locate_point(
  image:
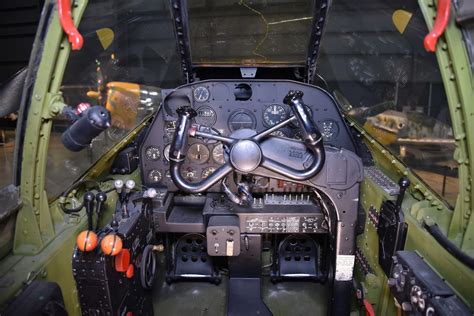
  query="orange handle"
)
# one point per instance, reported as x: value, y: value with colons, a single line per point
x: 442, y: 17
x: 74, y: 37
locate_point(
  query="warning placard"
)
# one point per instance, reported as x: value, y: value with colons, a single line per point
x: 344, y: 267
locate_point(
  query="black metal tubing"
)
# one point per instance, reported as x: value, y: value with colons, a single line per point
x: 178, y: 154
x: 448, y: 245
x: 311, y: 136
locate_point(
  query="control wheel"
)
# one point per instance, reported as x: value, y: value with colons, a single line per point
x: 148, y: 268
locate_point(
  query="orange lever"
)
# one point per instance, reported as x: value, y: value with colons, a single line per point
x: 74, y: 37
x: 442, y: 17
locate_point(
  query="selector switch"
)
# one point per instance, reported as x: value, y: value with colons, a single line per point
x: 223, y: 236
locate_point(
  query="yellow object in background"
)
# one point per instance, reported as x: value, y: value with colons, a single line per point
x: 123, y: 100
x: 400, y: 19
x: 106, y: 37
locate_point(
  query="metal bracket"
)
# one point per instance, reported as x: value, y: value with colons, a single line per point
x: 179, y: 11
x: 317, y: 27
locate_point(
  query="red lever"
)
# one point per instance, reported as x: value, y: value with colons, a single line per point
x: 369, y: 310
x: 442, y: 17
x: 74, y: 37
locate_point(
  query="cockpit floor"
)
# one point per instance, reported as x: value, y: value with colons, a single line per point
x: 201, y: 298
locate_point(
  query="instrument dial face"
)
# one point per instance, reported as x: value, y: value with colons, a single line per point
x: 329, y: 129
x: 152, y: 153
x: 205, y: 116
x: 274, y: 114
x: 190, y: 174
x: 198, y: 153
x: 155, y: 176
x: 201, y: 94
x: 207, y: 172
x: 166, y: 152
x: 218, y: 154
x: 242, y: 119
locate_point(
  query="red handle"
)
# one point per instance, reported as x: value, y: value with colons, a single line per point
x: 442, y: 17
x: 74, y: 37
x: 369, y: 310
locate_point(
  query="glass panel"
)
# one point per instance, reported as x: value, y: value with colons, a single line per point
x: 374, y: 62
x: 249, y: 32
x: 129, y: 54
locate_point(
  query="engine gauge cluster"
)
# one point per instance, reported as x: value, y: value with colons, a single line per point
x: 220, y: 110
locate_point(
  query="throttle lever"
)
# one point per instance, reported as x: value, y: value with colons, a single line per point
x: 89, y: 205
x: 100, y: 198
x: 404, y: 183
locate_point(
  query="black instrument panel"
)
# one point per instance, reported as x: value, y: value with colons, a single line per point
x: 224, y: 107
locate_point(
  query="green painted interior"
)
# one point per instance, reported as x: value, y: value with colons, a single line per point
x: 45, y: 237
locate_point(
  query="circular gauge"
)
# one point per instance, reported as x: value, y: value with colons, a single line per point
x: 190, y: 174
x: 166, y: 152
x: 274, y: 114
x: 198, y: 153
x: 329, y: 129
x: 207, y: 172
x: 218, y: 154
x: 278, y: 133
x: 154, y: 176
x: 205, y: 116
x: 241, y: 119
x: 201, y: 94
x: 152, y: 153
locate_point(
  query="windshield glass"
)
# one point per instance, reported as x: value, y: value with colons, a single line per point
x: 249, y: 32
x: 129, y: 54
x: 374, y: 62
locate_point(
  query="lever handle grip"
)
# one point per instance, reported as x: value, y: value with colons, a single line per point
x: 404, y: 183
x: 178, y: 146
x: 311, y: 133
x: 89, y: 205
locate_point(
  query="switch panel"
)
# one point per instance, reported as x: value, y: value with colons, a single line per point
x: 223, y: 236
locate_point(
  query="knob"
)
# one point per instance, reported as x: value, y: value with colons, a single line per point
x: 87, y: 240
x: 129, y: 185
x: 150, y: 193
x: 118, y: 184
x: 111, y: 245
x: 404, y: 183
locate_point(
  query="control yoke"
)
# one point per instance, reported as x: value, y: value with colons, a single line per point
x: 245, y: 155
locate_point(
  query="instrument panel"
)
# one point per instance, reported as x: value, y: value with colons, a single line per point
x: 226, y: 106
